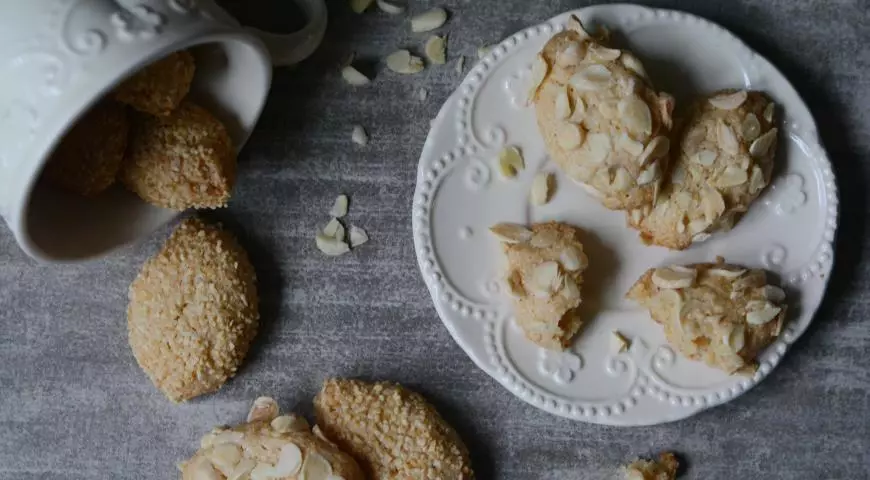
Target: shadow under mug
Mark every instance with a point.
(106, 42)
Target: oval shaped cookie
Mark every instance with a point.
(184, 160)
(159, 88)
(726, 159)
(545, 273)
(393, 432)
(193, 311)
(723, 315)
(602, 122)
(269, 446)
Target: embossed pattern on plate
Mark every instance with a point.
(789, 230)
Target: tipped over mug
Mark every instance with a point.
(59, 57)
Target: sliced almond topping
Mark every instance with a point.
(728, 101)
(511, 232)
(713, 203)
(576, 25)
(573, 259)
(618, 342)
(563, 104)
(203, 469)
(693, 138)
(264, 408)
(762, 316)
(570, 291)
(706, 157)
(672, 299)
(591, 78)
(735, 339)
(510, 161)
(401, 61)
(354, 77)
(673, 277)
(732, 177)
(633, 63)
(751, 127)
(289, 423)
(749, 281)
(636, 115)
(657, 148)
(544, 277)
(727, 139)
(762, 144)
(360, 6)
(756, 180)
(678, 175)
(636, 216)
(621, 180)
(598, 147)
(225, 457)
(334, 229)
(649, 174)
(624, 142)
(603, 54)
(609, 108)
(429, 20)
(263, 471)
(540, 193)
(773, 293)
(243, 469)
(570, 136)
(769, 110)
(579, 111)
(544, 239)
(219, 437)
(358, 236)
(698, 226)
(726, 273)
(435, 50)
(540, 68)
(393, 7)
(570, 56)
(514, 283)
(289, 460)
(359, 135)
(316, 467)
(701, 237)
(331, 246)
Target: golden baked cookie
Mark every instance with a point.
(720, 314)
(159, 88)
(185, 160)
(544, 275)
(392, 432)
(193, 311)
(665, 468)
(603, 123)
(725, 160)
(268, 446)
(87, 159)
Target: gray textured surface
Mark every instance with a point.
(73, 403)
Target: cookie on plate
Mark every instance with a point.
(268, 446)
(725, 160)
(603, 123)
(393, 432)
(665, 468)
(184, 160)
(87, 159)
(159, 88)
(544, 275)
(193, 311)
(723, 315)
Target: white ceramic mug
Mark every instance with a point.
(58, 57)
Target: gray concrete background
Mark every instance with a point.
(74, 405)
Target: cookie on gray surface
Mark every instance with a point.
(723, 315)
(193, 311)
(663, 468)
(159, 88)
(268, 446)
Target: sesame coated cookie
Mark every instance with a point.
(89, 156)
(602, 122)
(665, 468)
(185, 160)
(269, 446)
(720, 314)
(393, 432)
(159, 88)
(193, 311)
(544, 275)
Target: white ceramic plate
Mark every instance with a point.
(459, 194)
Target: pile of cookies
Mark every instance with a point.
(678, 180)
(163, 147)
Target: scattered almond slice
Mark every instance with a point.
(540, 193)
(339, 207)
(264, 408)
(762, 144)
(354, 77)
(429, 20)
(435, 50)
(360, 6)
(334, 229)
(483, 50)
(728, 101)
(393, 7)
(674, 277)
(511, 232)
(358, 236)
(460, 64)
(401, 61)
(510, 161)
(618, 342)
(359, 135)
(330, 246)
(422, 94)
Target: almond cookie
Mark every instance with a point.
(159, 88)
(184, 160)
(89, 156)
(723, 315)
(193, 311)
(663, 469)
(545, 272)
(393, 432)
(268, 446)
(602, 122)
(726, 159)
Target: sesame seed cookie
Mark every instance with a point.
(159, 88)
(184, 160)
(665, 468)
(720, 314)
(269, 446)
(544, 275)
(393, 432)
(88, 158)
(602, 122)
(193, 311)
(726, 159)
